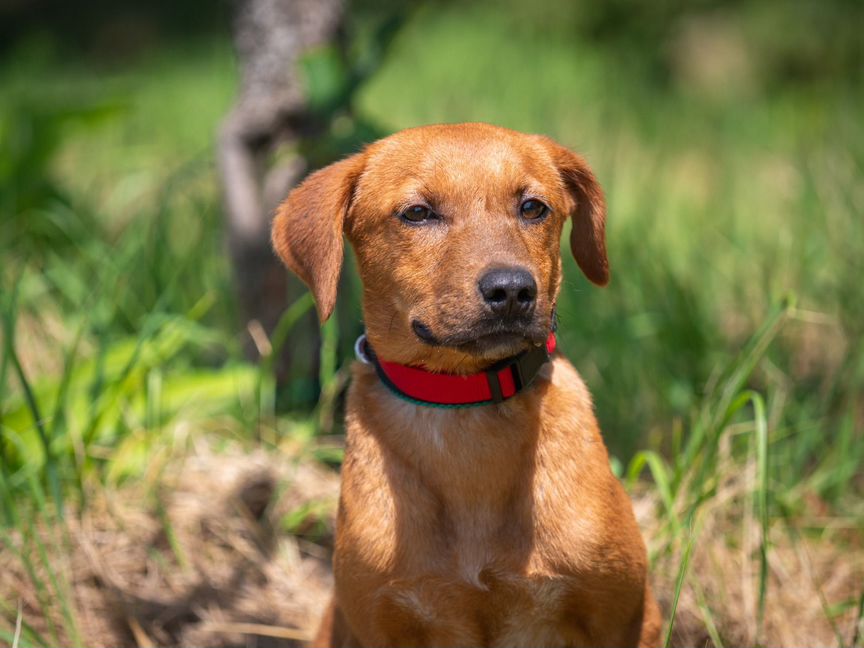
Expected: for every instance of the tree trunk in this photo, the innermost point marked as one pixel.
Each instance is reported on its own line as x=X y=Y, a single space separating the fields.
x=271 y=111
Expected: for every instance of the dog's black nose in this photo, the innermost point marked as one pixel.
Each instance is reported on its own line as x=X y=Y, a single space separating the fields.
x=509 y=292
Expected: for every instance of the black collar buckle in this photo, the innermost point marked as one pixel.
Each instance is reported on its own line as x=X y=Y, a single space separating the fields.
x=523 y=367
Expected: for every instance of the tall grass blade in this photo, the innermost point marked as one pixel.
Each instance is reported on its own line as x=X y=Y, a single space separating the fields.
x=679 y=585
x=155 y=323
x=18 y=619
x=329 y=349
x=61 y=587
x=287 y=322
x=330 y=380
x=707 y=617
x=748 y=359
x=51 y=468
x=30 y=635
x=660 y=472
x=858 y=628
x=59 y=417
x=40 y=591
x=51 y=472
x=762 y=494
x=8 y=504
x=266 y=387
x=171 y=535
x=715 y=413
x=8 y=637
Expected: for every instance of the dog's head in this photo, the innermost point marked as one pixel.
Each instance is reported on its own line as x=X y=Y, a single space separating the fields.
x=456 y=230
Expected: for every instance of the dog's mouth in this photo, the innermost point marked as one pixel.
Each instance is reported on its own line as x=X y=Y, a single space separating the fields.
x=486 y=337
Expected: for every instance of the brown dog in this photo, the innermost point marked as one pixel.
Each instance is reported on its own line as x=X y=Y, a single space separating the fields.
x=494 y=525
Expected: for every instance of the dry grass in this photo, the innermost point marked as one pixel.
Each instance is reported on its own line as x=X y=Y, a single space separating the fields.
x=198 y=562
x=201 y=560
x=815 y=575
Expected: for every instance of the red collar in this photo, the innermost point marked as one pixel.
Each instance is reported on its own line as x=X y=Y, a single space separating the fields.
x=501 y=381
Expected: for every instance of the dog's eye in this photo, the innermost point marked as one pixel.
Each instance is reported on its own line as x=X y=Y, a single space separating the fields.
x=533 y=209
x=417 y=214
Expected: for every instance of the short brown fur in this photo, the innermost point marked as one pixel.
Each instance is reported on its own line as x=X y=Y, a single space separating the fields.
x=493 y=526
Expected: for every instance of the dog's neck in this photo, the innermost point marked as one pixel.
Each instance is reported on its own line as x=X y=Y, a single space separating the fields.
x=497 y=383
x=474 y=456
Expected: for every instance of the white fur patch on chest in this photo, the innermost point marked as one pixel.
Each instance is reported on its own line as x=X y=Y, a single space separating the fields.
x=538 y=621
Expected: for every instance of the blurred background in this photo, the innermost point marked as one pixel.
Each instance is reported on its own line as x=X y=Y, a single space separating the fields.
x=149 y=334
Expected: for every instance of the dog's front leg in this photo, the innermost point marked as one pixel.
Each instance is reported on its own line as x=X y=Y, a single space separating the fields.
x=334 y=631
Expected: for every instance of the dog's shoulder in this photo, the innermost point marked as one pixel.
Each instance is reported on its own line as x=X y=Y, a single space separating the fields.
x=567 y=393
x=566 y=413
x=577 y=497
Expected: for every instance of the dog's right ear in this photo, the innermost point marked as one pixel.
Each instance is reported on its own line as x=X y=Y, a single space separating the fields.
x=307 y=229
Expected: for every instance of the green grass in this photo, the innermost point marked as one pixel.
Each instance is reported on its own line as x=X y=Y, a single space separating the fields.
x=120 y=333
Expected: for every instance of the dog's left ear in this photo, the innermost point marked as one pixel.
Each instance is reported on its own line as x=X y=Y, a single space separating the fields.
x=307 y=229
x=588 y=235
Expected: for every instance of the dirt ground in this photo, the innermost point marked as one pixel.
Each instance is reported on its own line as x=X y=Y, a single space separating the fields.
x=233 y=550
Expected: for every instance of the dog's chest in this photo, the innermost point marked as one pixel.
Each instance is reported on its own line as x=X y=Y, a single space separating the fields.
x=502 y=609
